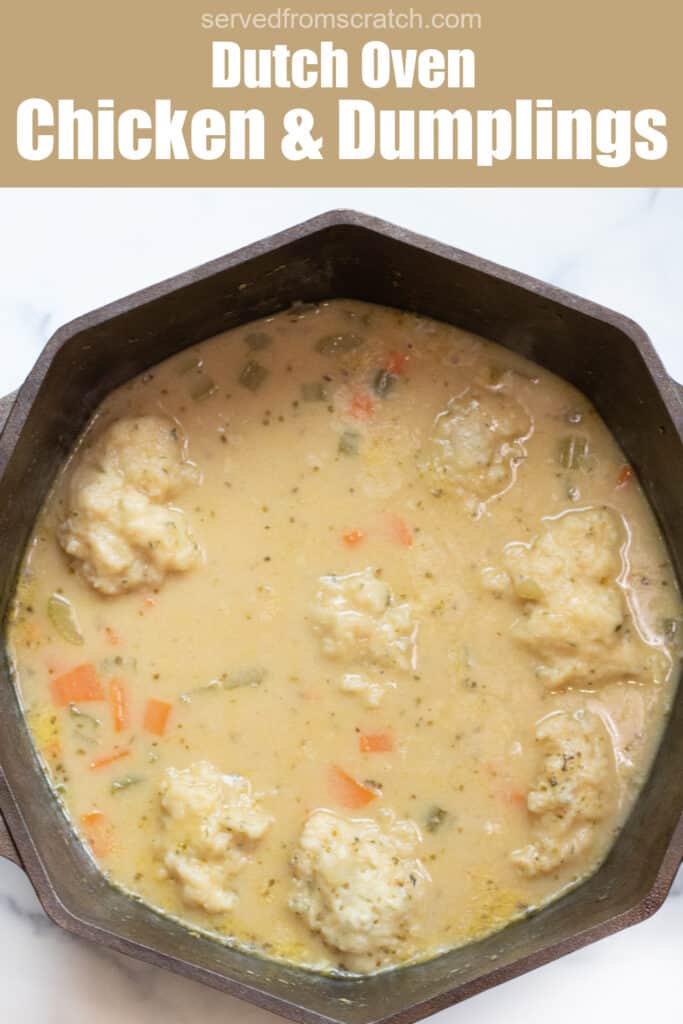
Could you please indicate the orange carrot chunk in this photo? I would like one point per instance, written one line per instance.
(97, 831)
(119, 704)
(399, 531)
(156, 716)
(625, 474)
(396, 362)
(347, 791)
(77, 686)
(102, 762)
(353, 537)
(507, 790)
(515, 796)
(376, 742)
(362, 406)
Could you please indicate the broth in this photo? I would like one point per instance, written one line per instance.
(391, 585)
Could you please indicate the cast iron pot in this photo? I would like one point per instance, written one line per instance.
(338, 254)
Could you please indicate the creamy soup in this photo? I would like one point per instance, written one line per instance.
(346, 636)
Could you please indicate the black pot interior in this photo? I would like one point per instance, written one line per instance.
(352, 260)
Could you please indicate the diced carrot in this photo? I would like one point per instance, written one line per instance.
(362, 406)
(399, 531)
(148, 603)
(97, 832)
(396, 362)
(347, 791)
(102, 762)
(77, 686)
(624, 475)
(353, 537)
(156, 716)
(119, 704)
(515, 796)
(507, 790)
(112, 636)
(376, 742)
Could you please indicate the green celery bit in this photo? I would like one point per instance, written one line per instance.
(573, 451)
(257, 340)
(253, 375)
(244, 677)
(349, 442)
(62, 615)
(202, 386)
(435, 818)
(84, 716)
(125, 782)
(210, 687)
(190, 364)
(383, 383)
(672, 629)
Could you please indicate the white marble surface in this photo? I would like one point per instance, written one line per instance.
(65, 252)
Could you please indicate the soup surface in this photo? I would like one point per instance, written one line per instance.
(347, 636)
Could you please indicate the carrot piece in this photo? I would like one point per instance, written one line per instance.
(624, 475)
(399, 531)
(507, 790)
(119, 704)
(362, 406)
(347, 791)
(97, 832)
(156, 716)
(102, 762)
(396, 362)
(515, 796)
(148, 603)
(376, 742)
(77, 686)
(353, 537)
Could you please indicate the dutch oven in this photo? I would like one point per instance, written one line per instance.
(339, 254)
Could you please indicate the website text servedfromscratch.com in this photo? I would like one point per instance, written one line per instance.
(286, 18)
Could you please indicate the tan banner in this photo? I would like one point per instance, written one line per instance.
(447, 93)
